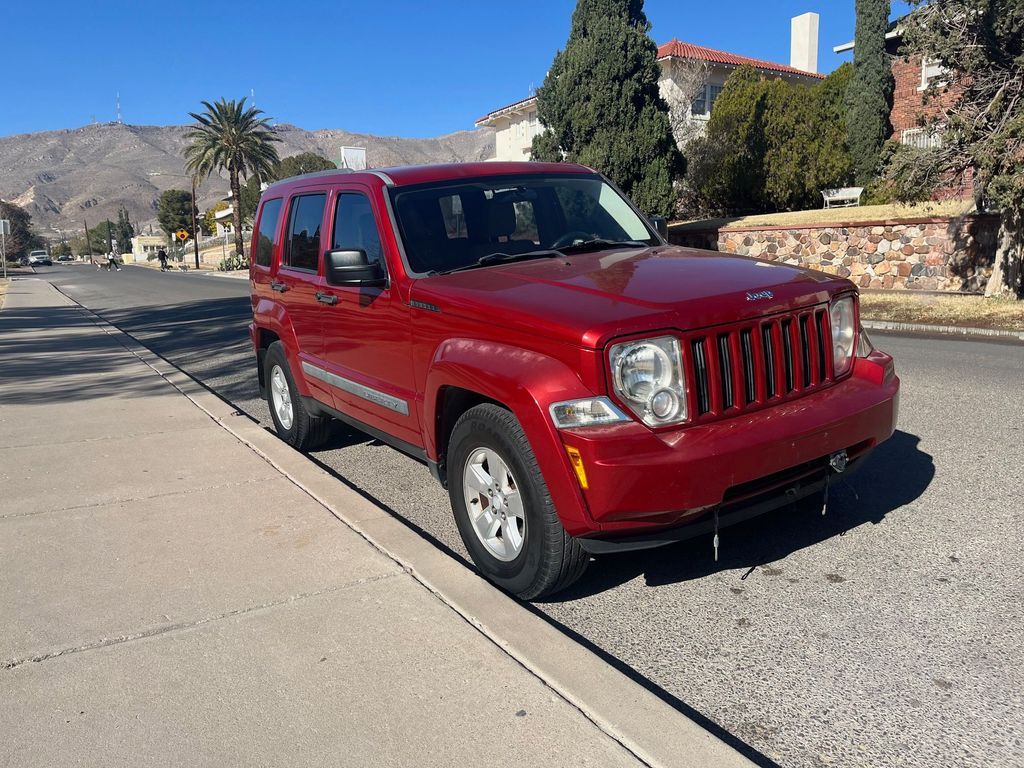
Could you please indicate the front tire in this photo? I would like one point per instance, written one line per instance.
(503, 509)
(294, 424)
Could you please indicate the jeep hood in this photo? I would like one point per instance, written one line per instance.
(590, 298)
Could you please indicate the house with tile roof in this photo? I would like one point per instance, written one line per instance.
(691, 78)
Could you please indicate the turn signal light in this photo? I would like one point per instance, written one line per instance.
(577, 464)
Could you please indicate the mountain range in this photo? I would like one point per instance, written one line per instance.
(67, 178)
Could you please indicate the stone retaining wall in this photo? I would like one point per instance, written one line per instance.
(937, 254)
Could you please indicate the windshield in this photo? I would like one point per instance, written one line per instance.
(452, 226)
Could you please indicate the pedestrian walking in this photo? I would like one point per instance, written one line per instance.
(161, 255)
(112, 262)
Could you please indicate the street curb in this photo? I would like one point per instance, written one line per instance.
(653, 731)
(229, 275)
(977, 334)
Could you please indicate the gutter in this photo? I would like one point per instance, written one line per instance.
(921, 329)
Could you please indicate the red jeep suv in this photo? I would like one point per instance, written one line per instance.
(577, 384)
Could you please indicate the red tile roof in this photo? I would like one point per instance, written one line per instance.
(679, 50)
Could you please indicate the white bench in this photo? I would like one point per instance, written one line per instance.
(843, 197)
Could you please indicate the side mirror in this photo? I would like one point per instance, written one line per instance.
(351, 267)
(660, 225)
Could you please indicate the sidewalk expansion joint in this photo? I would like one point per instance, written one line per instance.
(12, 664)
(103, 438)
(132, 499)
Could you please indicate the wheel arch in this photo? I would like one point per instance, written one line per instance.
(271, 323)
(264, 338)
(467, 372)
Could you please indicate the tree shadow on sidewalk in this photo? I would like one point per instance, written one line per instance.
(57, 354)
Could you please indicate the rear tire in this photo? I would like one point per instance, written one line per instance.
(503, 509)
(294, 424)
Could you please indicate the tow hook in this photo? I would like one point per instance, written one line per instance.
(838, 461)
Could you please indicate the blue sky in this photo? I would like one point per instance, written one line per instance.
(391, 68)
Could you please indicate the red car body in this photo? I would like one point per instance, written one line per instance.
(412, 354)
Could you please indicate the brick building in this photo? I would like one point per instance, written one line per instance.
(915, 113)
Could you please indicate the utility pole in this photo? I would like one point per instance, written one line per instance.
(4, 226)
(88, 240)
(195, 230)
(110, 239)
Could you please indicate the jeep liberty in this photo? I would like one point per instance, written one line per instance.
(577, 384)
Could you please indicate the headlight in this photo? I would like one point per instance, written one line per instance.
(648, 376)
(841, 317)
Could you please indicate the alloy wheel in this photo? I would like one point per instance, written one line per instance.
(494, 504)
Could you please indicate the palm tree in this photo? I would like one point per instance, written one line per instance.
(228, 136)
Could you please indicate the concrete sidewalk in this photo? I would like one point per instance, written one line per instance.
(171, 593)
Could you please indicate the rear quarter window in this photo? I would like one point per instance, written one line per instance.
(266, 239)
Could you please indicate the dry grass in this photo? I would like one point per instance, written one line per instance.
(826, 216)
(3, 289)
(961, 311)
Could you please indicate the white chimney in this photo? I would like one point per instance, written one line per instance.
(803, 45)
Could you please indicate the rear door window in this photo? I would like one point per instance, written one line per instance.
(304, 222)
(266, 238)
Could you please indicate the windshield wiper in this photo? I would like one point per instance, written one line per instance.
(504, 258)
(599, 244)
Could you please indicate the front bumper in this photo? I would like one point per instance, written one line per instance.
(641, 481)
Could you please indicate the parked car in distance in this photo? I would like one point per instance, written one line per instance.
(576, 383)
(65, 257)
(39, 258)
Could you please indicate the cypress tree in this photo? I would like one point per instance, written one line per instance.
(600, 104)
(870, 93)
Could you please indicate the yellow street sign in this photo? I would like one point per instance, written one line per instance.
(182, 234)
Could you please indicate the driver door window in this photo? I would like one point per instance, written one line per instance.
(355, 227)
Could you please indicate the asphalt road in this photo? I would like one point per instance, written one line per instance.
(887, 633)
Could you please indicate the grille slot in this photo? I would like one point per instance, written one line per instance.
(805, 349)
(749, 382)
(824, 333)
(700, 365)
(725, 368)
(769, 359)
(787, 352)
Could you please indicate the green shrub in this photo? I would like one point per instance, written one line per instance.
(770, 146)
(232, 263)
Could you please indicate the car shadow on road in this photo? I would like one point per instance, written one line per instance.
(895, 475)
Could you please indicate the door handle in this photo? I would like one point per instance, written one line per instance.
(326, 298)
(279, 287)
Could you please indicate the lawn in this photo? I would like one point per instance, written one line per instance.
(826, 216)
(930, 309)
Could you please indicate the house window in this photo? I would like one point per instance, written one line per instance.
(704, 102)
(713, 93)
(922, 138)
(699, 105)
(930, 70)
